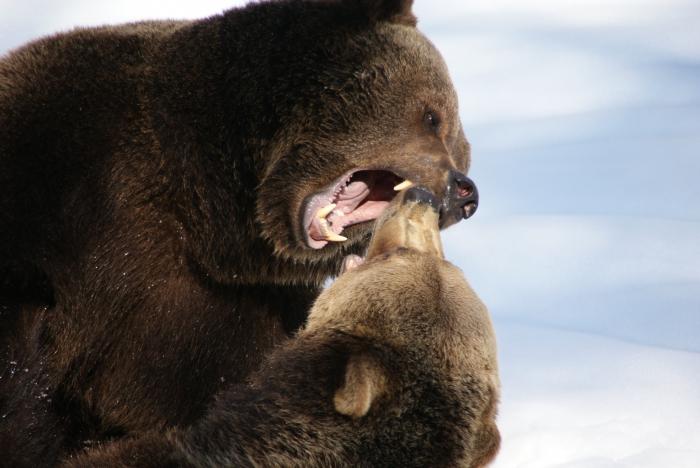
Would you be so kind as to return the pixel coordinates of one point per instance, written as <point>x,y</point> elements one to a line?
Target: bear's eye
<point>432,121</point>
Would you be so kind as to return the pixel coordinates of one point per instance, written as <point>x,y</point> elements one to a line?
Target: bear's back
<point>64,103</point>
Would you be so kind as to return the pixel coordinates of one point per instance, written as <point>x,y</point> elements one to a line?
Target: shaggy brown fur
<point>396,367</point>
<point>152,180</point>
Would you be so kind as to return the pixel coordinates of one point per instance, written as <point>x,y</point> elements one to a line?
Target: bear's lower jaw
<point>356,197</point>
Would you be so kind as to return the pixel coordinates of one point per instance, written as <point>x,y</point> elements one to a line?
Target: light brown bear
<point>396,367</point>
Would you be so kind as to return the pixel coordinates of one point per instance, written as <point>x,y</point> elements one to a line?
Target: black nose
<point>461,199</point>
<point>465,193</point>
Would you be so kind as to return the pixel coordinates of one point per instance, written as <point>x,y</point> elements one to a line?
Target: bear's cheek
<point>426,161</point>
<point>307,203</point>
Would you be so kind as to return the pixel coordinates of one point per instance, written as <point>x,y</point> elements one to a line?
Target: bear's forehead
<point>413,48</point>
<point>410,58</point>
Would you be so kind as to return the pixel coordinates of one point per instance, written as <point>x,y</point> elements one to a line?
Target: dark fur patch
<point>150,180</point>
<point>395,11</point>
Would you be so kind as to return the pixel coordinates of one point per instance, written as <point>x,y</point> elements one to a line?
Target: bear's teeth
<point>328,233</point>
<point>325,211</point>
<point>406,184</point>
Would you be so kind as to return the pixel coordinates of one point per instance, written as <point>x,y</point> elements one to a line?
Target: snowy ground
<point>578,400</point>
<point>584,117</point>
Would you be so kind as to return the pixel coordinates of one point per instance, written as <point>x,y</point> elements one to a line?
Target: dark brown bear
<point>396,368</point>
<point>160,190</point>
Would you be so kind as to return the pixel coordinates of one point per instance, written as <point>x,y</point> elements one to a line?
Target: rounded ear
<point>393,11</point>
<point>364,382</point>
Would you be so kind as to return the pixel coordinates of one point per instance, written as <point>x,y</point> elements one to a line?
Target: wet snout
<point>411,221</point>
<point>461,199</point>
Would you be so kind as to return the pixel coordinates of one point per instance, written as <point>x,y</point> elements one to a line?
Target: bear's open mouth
<point>356,197</point>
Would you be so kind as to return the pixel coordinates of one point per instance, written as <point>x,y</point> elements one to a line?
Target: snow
<point>584,119</point>
<point>573,399</point>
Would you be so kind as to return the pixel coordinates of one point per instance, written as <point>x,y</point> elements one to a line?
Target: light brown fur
<point>407,295</point>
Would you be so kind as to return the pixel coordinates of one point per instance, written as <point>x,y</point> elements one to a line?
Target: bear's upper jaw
<point>355,197</point>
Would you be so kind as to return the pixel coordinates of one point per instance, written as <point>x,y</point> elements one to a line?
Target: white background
<point>584,117</point>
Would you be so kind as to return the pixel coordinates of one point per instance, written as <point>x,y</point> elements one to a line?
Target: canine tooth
<point>328,233</point>
<point>333,237</point>
<point>325,211</point>
<point>406,184</point>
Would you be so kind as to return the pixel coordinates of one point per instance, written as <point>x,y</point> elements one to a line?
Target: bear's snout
<point>461,199</point>
<point>421,195</point>
<point>410,222</point>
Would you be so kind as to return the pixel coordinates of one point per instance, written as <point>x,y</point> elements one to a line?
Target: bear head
<point>374,107</point>
<point>311,113</point>
<point>431,366</point>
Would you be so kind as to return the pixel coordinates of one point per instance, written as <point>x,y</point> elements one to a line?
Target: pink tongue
<point>352,196</point>
<point>347,201</point>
